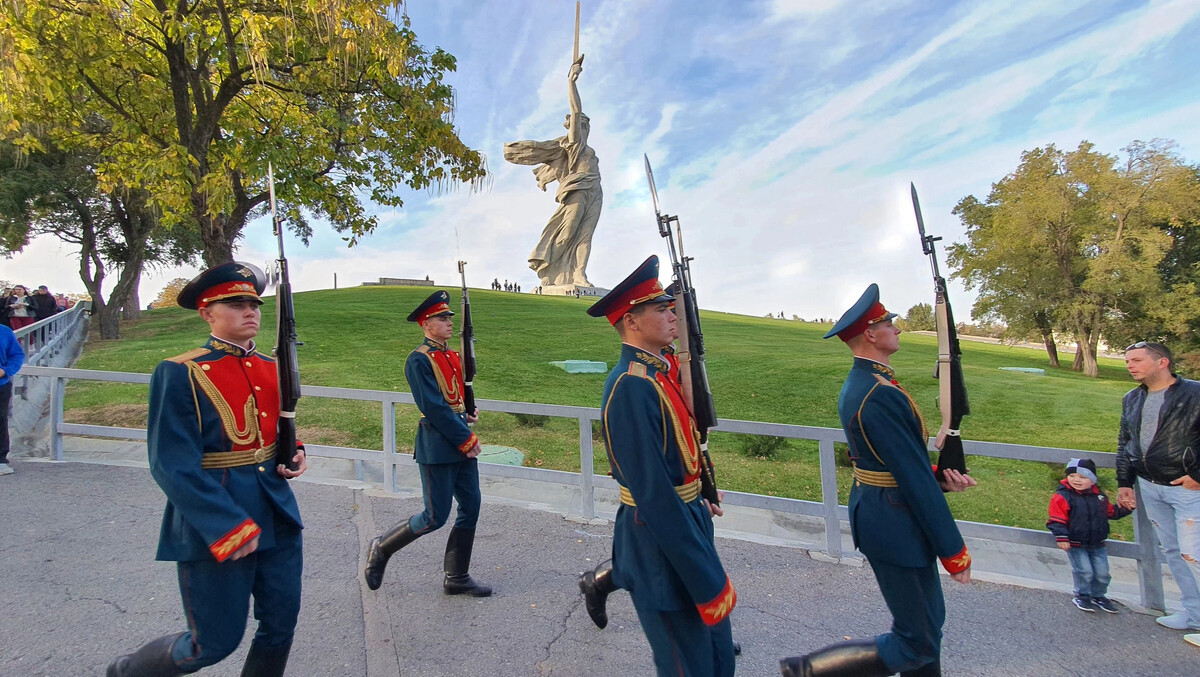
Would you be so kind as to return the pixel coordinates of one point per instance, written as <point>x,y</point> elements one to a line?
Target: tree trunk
<point>1043,325</point>
<point>131,309</point>
<point>1077,365</point>
<point>108,318</point>
<point>218,233</point>
<point>1051,350</point>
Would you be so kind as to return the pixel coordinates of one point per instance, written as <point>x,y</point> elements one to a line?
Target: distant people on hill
<point>1156,449</point>
<point>20,308</point>
<point>496,284</point>
<point>1079,515</point>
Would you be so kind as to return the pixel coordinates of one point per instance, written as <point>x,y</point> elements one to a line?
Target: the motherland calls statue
<point>561,255</point>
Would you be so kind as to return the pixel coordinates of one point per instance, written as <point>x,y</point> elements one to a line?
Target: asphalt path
<point>79,584</point>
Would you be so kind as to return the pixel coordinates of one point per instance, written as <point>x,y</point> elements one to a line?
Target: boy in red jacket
<point>1079,515</point>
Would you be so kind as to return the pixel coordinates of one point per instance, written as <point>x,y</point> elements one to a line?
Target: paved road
<point>78,585</point>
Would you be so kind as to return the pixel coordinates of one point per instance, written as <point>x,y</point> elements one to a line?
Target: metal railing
<point>1144,548</point>
<point>43,339</point>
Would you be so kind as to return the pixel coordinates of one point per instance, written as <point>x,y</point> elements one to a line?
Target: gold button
<point>248,364</point>
<point>258,387</point>
<point>261,469</point>
<point>205,367</point>
<point>264,414</point>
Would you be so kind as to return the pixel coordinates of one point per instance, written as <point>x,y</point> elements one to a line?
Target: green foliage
<point>762,446</point>
<point>196,100</point>
<point>1082,243</point>
<point>919,318</point>
<point>1060,409</point>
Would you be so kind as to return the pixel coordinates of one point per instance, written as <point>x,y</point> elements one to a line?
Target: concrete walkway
<point>79,585</point>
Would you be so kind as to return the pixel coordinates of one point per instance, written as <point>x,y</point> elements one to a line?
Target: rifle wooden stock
<point>952,389</point>
<point>693,377</point>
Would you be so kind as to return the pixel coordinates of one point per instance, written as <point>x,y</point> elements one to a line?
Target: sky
<point>783,133</point>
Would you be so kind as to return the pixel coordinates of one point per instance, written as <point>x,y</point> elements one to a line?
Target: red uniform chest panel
<point>448,370</point>
<point>245,392</point>
<point>689,444</point>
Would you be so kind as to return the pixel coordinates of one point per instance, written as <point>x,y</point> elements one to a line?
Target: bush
<point>531,420</point>
<point>759,446</point>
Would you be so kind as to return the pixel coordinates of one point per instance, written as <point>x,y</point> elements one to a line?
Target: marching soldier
<point>446,451</point>
<point>231,522</point>
<point>898,516</point>
<point>663,548</point>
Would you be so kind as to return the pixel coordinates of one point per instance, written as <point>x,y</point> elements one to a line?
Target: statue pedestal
<point>570,289</point>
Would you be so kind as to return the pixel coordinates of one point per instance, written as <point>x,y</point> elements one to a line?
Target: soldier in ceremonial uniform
<point>446,451</point>
<point>231,522</point>
<point>663,548</point>
<point>898,516</point>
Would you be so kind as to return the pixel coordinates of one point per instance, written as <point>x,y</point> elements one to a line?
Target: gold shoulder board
<point>189,355</point>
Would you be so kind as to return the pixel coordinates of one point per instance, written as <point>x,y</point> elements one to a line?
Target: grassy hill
<point>761,369</point>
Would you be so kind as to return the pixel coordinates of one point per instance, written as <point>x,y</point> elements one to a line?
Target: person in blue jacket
<point>663,549</point>
<point>446,451</point>
<point>898,516</point>
<point>231,523</point>
<point>12,357</point>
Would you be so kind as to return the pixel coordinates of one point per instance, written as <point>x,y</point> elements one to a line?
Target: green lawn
<point>761,370</point>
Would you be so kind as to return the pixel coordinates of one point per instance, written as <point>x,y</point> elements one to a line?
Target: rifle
<point>468,345</point>
<point>285,345</point>
<point>952,390</point>
<point>692,375</point>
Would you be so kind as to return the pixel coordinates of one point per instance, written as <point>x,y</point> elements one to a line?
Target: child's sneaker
<point>1084,604</point>
<point>1106,604</point>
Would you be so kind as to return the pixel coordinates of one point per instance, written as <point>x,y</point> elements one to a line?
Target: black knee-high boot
<point>595,586</point>
<point>266,661</point>
<point>856,658</point>
<point>933,669</point>
<point>382,548</point>
<point>152,660</point>
<point>458,562</point>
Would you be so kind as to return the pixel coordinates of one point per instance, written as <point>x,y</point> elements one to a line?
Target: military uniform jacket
<point>663,550</point>
<point>907,523</point>
<point>435,377</point>
<point>210,408</point>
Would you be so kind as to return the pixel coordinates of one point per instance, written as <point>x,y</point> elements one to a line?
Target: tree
<point>920,318</point>
<point>167,297</point>
<point>200,96</point>
<point>1070,241</point>
<point>56,193</point>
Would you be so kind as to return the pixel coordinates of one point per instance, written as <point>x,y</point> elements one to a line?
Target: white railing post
<point>389,446</point>
<point>57,384</point>
<point>586,463</point>
<point>829,498</point>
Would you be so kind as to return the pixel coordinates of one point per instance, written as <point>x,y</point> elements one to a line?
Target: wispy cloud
<point>784,134</point>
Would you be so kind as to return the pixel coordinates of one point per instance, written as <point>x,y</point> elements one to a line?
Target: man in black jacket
<point>44,304</point>
<point>1159,447</point>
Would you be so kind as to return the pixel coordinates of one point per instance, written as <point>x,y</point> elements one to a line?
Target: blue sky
<point>783,133</point>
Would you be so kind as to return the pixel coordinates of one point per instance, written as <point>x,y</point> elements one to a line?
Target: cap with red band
<point>642,286</point>
<point>231,281</point>
<point>864,313</point>
<point>438,303</point>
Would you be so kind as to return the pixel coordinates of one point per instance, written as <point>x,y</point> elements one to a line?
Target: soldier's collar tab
<point>437,345</point>
<point>875,367</point>
<point>228,348</point>
<point>648,359</point>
